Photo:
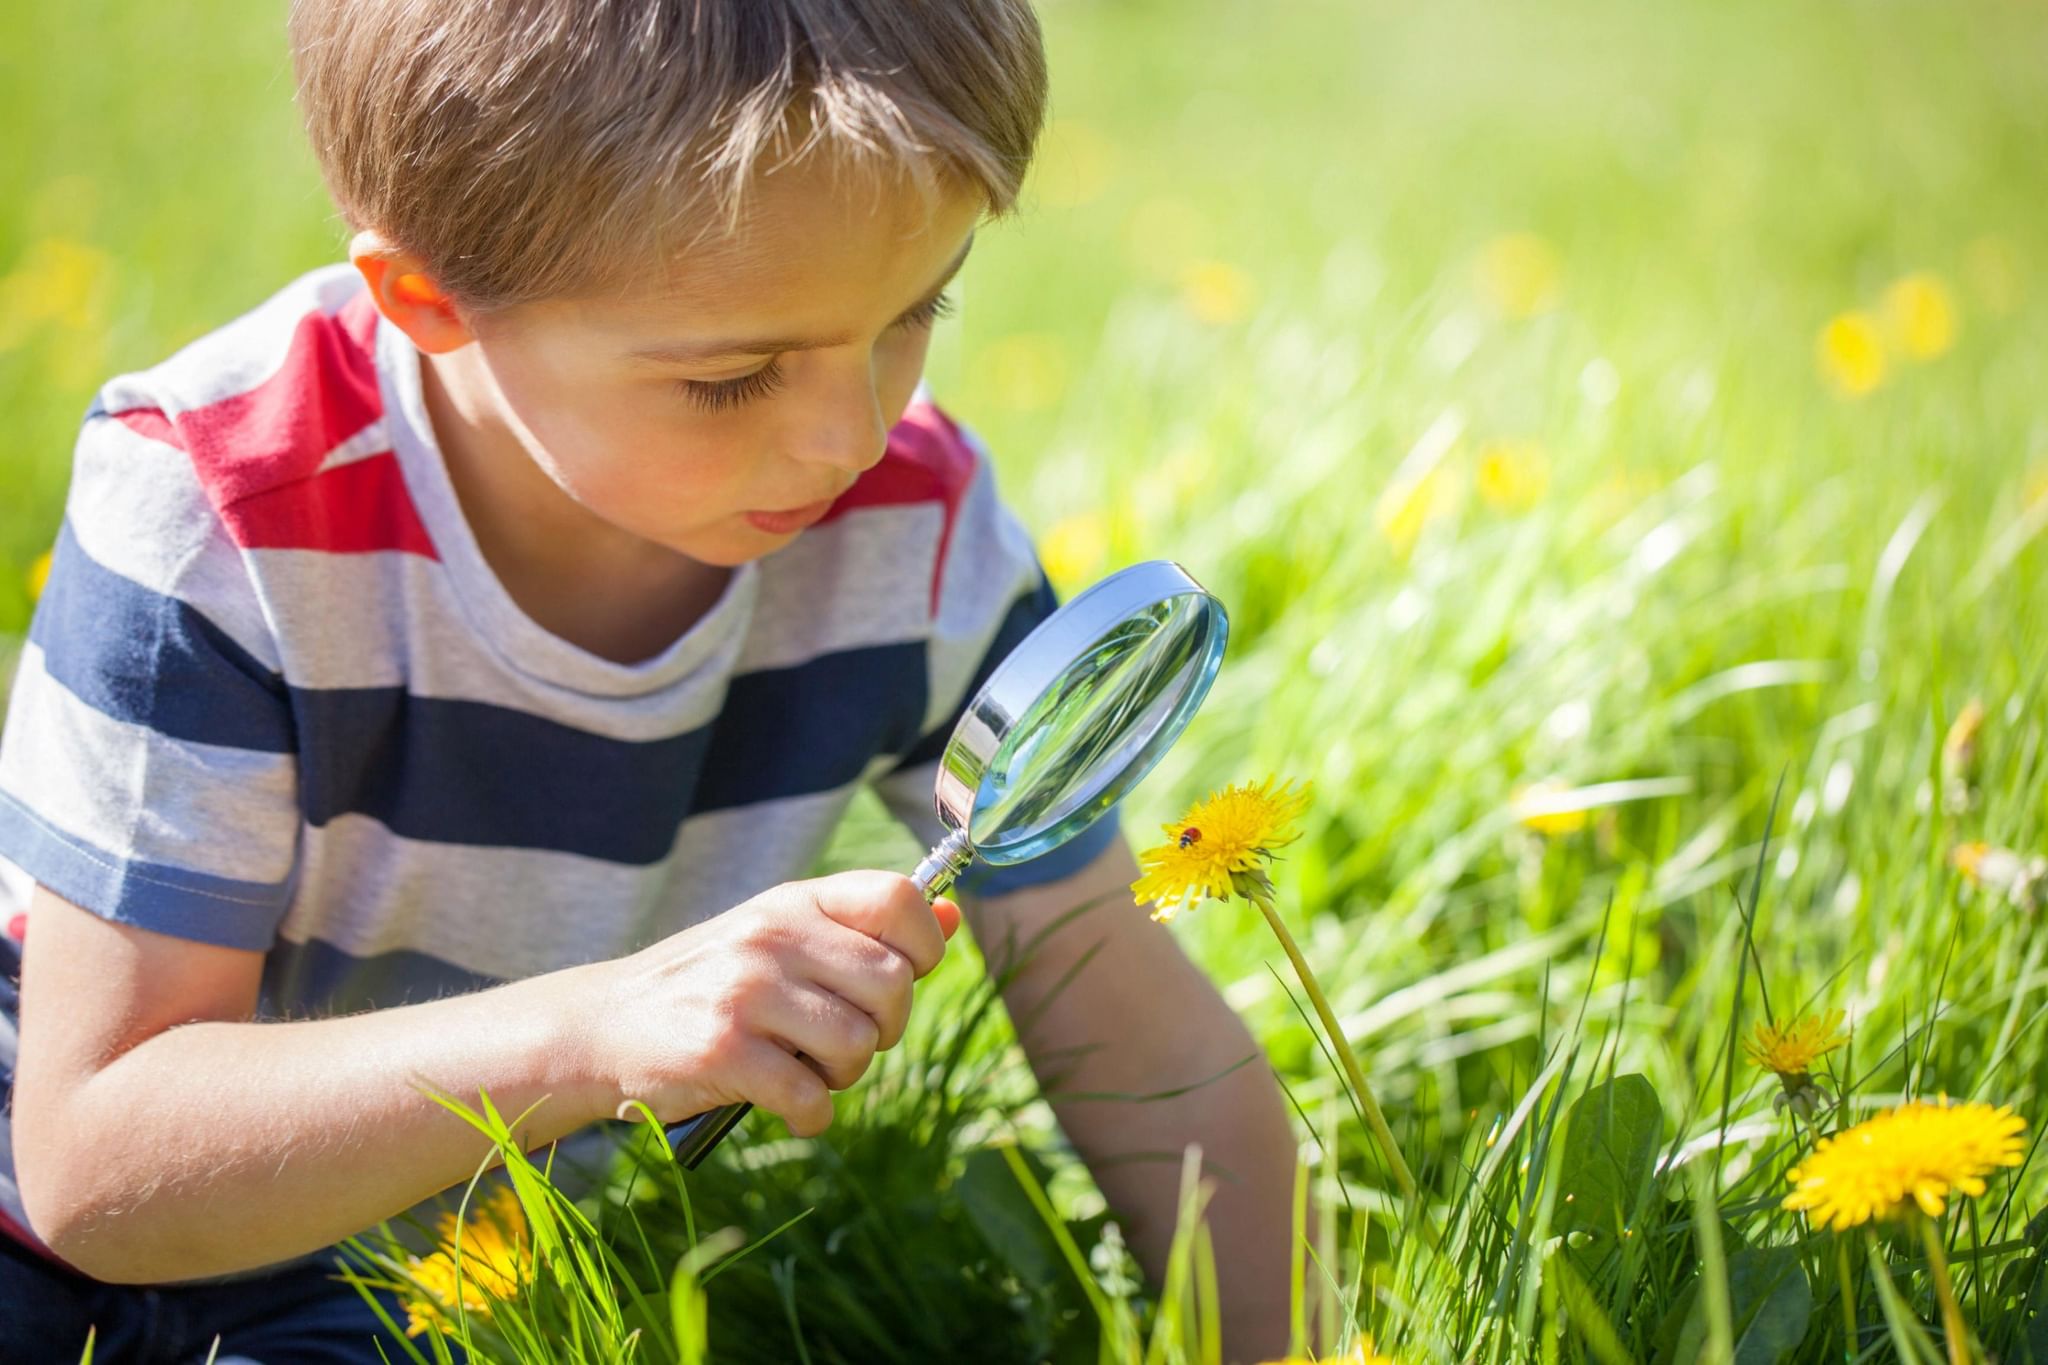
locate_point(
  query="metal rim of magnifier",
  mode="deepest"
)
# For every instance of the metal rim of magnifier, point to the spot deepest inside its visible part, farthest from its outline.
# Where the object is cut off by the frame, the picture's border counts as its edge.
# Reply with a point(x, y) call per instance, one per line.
point(1046, 653)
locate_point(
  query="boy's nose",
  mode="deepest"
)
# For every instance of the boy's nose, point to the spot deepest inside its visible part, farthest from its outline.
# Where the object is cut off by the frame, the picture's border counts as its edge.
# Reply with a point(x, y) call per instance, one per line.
point(846, 428)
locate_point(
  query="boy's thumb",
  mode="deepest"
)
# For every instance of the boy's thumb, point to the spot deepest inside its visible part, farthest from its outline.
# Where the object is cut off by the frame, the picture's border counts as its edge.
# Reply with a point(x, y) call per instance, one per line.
point(949, 915)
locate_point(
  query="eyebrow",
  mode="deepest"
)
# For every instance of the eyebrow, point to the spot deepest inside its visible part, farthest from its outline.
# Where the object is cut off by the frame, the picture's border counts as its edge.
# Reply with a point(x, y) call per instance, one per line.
point(677, 353)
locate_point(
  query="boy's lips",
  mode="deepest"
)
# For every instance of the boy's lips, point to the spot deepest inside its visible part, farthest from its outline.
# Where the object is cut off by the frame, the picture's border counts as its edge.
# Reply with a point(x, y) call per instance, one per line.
point(795, 519)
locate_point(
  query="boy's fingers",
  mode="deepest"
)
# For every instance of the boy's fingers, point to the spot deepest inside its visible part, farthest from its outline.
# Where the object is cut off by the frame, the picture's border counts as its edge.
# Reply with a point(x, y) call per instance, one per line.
point(949, 916)
point(888, 907)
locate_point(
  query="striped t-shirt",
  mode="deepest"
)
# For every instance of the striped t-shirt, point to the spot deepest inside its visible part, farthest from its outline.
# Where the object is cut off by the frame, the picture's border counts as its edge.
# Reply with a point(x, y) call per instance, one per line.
point(274, 697)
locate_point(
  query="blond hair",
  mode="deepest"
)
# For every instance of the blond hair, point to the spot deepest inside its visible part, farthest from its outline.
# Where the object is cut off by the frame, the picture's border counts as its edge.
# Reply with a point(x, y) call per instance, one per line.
point(529, 148)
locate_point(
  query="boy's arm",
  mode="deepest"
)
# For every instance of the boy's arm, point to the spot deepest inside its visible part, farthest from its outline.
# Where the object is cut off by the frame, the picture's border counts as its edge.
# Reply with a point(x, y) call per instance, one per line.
point(1139, 1019)
point(161, 1135)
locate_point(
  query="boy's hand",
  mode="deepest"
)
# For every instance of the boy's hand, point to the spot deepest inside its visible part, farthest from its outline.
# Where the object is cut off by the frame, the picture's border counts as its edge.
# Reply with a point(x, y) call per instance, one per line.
point(777, 1001)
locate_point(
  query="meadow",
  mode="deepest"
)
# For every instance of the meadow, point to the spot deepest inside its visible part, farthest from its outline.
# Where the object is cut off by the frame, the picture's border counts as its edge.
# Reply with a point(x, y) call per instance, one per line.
point(1616, 432)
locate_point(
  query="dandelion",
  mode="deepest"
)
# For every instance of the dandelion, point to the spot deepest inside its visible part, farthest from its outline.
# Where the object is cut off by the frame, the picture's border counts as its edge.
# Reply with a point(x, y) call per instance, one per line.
point(2019, 877)
point(478, 1265)
point(1920, 316)
point(1221, 847)
point(38, 576)
point(1361, 1353)
point(1789, 1053)
point(1074, 549)
point(1913, 1157)
point(1906, 1164)
point(1513, 474)
point(1959, 757)
point(1217, 292)
point(1850, 353)
point(1519, 275)
point(1549, 808)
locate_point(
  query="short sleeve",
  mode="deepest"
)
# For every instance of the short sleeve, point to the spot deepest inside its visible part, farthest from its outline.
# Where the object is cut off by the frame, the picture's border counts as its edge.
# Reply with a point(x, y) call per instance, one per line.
point(147, 764)
point(992, 593)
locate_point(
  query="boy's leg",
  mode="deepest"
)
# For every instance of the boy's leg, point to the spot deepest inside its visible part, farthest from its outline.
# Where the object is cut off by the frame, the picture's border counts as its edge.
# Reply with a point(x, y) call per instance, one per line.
point(45, 1312)
point(301, 1316)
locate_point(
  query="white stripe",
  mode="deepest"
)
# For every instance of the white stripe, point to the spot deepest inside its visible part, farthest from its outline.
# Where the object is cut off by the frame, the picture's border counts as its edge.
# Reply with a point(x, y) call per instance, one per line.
point(136, 508)
point(135, 794)
point(862, 579)
point(513, 912)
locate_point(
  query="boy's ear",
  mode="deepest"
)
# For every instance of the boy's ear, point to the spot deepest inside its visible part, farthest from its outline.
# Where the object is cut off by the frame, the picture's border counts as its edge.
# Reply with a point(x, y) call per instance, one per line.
point(407, 296)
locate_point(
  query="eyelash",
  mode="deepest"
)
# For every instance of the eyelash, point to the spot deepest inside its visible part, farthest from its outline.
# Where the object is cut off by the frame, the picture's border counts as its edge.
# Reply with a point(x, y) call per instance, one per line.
point(722, 394)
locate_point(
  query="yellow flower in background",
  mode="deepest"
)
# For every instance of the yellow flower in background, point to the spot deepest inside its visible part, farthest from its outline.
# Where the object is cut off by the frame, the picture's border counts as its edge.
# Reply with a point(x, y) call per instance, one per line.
point(2019, 877)
point(1791, 1050)
point(1076, 547)
point(1519, 275)
point(1026, 371)
point(1217, 292)
point(1914, 1156)
point(1513, 475)
point(1405, 510)
point(1850, 353)
point(493, 1249)
point(1219, 847)
point(38, 576)
point(56, 281)
point(1920, 316)
point(1544, 808)
point(1361, 1353)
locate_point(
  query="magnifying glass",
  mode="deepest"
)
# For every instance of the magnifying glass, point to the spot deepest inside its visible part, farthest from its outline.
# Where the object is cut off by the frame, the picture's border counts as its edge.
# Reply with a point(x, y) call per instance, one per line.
point(1070, 721)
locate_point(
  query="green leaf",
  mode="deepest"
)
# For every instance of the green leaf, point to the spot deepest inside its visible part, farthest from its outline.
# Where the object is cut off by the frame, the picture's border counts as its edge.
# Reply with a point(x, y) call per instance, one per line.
point(1610, 1152)
point(1769, 1301)
point(1002, 1213)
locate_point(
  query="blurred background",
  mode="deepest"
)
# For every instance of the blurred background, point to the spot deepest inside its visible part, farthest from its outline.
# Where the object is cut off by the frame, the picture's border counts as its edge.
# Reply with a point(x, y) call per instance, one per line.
point(1600, 418)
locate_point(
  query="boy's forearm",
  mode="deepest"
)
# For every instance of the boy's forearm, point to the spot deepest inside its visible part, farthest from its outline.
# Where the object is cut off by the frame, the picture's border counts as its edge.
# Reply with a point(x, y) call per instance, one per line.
point(1142, 1019)
point(283, 1137)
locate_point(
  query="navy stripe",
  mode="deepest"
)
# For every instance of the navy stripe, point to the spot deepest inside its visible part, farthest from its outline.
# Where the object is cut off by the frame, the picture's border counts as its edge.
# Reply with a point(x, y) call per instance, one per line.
point(1024, 616)
point(171, 900)
point(316, 977)
point(469, 772)
point(143, 657)
point(452, 771)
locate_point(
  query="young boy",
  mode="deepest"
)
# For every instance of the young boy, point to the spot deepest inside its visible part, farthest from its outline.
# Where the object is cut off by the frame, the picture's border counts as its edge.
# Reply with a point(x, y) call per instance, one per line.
point(447, 669)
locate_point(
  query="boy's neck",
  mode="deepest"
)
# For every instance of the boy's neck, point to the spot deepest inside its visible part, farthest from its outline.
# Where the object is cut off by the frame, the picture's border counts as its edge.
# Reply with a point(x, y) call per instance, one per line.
point(581, 578)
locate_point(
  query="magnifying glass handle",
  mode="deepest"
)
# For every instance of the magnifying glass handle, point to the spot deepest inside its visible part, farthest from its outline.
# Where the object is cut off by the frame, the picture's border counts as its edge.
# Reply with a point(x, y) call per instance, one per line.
point(692, 1139)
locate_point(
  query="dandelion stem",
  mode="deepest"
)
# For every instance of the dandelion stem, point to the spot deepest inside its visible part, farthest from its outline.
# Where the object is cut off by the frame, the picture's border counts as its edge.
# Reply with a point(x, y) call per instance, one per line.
point(1952, 1325)
point(1354, 1075)
point(1845, 1273)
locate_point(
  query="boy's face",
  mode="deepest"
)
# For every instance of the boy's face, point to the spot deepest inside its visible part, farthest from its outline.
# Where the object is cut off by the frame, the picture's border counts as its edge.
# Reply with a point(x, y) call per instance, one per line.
point(760, 376)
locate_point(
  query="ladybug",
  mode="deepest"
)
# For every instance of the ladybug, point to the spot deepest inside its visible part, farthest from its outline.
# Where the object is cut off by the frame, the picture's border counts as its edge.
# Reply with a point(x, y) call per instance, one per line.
point(1190, 835)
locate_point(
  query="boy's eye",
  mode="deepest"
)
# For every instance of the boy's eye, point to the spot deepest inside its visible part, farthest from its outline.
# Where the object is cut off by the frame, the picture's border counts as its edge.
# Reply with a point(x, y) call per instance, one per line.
point(927, 313)
point(717, 395)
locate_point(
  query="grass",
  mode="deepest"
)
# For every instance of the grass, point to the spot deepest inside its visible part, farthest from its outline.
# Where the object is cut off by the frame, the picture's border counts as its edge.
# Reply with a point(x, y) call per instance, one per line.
point(1469, 354)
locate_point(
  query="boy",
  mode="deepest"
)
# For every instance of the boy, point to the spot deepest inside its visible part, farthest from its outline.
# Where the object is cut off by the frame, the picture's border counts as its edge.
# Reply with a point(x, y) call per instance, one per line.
point(447, 667)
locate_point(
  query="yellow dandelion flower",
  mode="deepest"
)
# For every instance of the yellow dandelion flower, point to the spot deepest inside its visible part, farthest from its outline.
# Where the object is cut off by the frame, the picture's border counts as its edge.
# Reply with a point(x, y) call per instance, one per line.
point(1792, 1049)
point(1519, 275)
point(1915, 1156)
point(1361, 1353)
point(38, 575)
point(2021, 878)
point(1920, 316)
point(1550, 808)
point(1074, 549)
point(1513, 474)
point(1850, 353)
point(1409, 507)
point(1217, 292)
point(1220, 847)
point(492, 1248)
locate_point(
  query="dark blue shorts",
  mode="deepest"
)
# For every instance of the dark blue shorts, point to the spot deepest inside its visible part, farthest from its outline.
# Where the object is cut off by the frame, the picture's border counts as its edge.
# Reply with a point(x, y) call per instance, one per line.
point(304, 1315)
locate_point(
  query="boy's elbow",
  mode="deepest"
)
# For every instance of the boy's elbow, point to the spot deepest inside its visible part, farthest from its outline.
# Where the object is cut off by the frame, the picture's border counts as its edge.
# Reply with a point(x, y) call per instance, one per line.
point(69, 1215)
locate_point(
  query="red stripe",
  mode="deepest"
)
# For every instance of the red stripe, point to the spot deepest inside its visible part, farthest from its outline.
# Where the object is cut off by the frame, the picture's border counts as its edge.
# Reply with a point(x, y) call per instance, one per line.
point(927, 460)
point(258, 453)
